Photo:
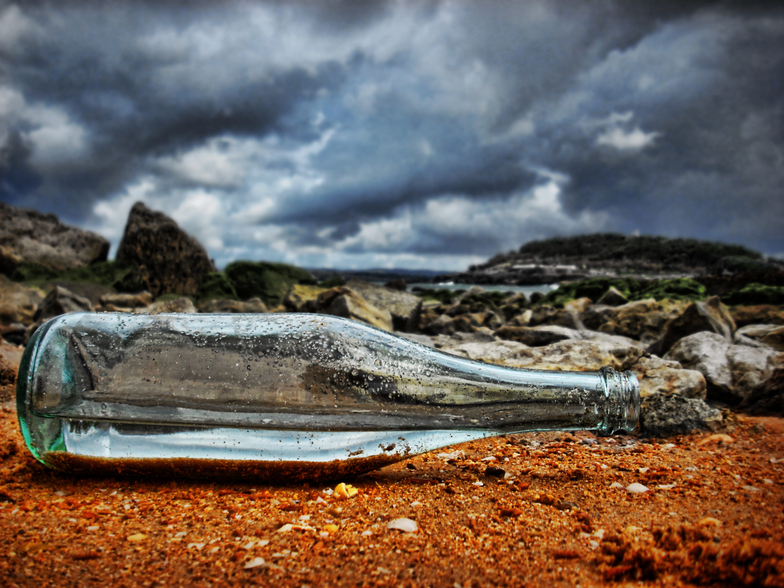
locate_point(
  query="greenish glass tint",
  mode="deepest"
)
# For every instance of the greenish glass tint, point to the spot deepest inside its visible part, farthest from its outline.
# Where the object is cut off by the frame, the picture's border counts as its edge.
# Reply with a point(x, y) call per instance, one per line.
point(244, 390)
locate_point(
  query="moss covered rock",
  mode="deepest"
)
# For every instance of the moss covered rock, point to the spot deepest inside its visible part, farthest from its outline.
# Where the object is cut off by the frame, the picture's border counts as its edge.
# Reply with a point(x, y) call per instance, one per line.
point(216, 285)
point(673, 289)
point(266, 280)
point(754, 294)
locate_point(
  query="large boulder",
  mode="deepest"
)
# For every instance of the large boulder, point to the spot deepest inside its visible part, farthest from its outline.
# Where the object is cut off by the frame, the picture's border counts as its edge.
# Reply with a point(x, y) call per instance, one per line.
point(709, 315)
point(169, 260)
point(18, 303)
point(41, 239)
point(266, 280)
point(343, 301)
point(665, 416)
point(731, 371)
point(403, 307)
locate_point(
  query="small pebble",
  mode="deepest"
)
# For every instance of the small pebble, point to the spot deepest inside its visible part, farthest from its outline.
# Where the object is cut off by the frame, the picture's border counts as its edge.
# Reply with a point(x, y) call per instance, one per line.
point(636, 488)
point(137, 537)
point(403, 524)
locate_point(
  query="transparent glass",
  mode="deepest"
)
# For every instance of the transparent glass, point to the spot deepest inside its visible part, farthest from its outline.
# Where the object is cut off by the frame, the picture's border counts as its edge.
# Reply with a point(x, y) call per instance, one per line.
point(291, 395)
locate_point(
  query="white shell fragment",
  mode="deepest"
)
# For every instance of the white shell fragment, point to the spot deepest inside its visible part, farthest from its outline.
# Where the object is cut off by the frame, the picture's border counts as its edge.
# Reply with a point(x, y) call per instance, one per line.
point(403, 524)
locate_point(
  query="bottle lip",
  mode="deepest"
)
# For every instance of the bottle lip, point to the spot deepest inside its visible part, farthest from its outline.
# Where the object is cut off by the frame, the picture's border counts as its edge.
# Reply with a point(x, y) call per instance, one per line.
point(622, 390)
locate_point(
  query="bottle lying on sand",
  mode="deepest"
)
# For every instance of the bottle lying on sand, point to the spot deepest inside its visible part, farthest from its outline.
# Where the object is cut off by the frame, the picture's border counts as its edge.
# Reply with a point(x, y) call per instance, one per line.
point(284, 396)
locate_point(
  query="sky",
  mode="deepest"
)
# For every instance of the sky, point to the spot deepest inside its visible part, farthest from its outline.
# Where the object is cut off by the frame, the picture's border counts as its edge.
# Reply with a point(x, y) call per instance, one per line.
point(407, 134)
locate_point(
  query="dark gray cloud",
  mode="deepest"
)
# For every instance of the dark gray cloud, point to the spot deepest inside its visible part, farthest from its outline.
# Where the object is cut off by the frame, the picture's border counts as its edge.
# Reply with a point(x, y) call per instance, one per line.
point(388, 133)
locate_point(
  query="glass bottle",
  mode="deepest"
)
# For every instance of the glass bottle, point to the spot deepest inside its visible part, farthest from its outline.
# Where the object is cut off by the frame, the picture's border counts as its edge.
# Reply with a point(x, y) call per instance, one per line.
point(290, 396)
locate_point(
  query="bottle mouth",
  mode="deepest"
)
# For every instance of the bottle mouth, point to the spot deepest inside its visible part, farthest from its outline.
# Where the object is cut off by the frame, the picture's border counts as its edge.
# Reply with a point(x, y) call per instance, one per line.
point(622, 390)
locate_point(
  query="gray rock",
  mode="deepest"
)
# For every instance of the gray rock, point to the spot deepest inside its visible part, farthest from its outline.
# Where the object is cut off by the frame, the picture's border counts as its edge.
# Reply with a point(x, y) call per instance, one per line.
point(761, 336)
point(403, 307)
point(169, 260)
point(93, 292)
point(663, 416)
point(730, 371)
point(60, 301)
point(28, 235)
point(710, 315)
point(659, 376)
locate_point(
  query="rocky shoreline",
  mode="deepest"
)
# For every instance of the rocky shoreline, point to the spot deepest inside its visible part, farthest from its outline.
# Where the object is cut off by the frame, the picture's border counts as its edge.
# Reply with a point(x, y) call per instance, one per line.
point(698, 356)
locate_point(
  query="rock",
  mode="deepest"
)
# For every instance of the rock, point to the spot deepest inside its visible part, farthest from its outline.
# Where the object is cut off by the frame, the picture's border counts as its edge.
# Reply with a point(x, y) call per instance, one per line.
point(10, 356)
point(763, 314)
point(547, 315)
point(18, 303)
point(183, 305)
point(27, 235)
point(342, 301)
point(93, 292)
point(613, 297)
point(664, 416)
point(224, 306)
point(643, 320)
point(710, 315)
point(399, 284)
point(498, 352)
point(537, 336)
point(302, 298)
point(582, 355)
point(60, 301)
point(442, 325)
point(481, 335)
point(767, 397)
point(578, 305)
point(658, 376)
point(170, 261)
point(417, 338)
point(216, 285)
point(403, 307)
point(756, 335)
point(268, 281)
point(126, 301)
point(730, 371)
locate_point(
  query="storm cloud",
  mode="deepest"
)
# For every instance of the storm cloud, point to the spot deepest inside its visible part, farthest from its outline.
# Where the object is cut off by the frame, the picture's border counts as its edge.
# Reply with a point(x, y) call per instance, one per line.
point(397, 134)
